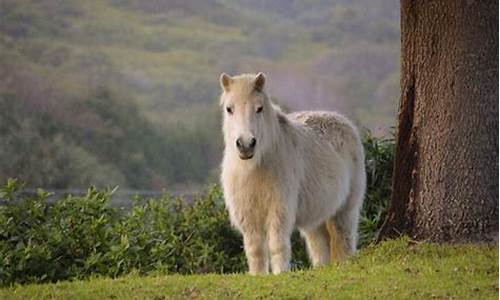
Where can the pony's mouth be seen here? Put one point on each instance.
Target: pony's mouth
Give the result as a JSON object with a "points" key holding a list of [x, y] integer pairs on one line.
{"points": [[245, 157]]}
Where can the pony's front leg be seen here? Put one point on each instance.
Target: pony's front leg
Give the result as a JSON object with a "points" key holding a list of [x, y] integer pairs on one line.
{"points": [[279, 244], [256, 252]]}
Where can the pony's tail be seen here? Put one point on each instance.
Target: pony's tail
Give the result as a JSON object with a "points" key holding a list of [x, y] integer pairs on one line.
{"points": [[337, 243]]}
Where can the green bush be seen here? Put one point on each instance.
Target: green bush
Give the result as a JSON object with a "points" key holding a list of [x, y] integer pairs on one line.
{"points": [[379, 154], [76, 237], [80, 236]]}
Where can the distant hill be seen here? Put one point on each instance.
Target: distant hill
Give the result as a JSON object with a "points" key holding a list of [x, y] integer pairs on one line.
{"points": [[123, 92]]}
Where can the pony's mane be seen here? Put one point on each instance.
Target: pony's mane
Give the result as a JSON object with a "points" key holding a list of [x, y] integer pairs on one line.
{"points": [[243, 82], [282, 118]]}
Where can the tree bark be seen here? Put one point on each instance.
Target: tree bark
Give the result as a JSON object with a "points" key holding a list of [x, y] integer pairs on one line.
{"points": [[445, 183]]}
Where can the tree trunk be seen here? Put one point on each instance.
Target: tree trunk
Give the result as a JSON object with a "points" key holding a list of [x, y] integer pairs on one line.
{"points": [[445, 183]]}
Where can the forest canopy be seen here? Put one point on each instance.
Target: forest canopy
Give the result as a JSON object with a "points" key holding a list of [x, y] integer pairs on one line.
{"points": [[124, 92]]}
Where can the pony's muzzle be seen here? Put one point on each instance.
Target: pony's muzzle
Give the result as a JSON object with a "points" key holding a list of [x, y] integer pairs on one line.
{"points": [[246, 149]]}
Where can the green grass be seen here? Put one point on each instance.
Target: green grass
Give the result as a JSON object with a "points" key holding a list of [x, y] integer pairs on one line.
{"points": [[399, 269]]}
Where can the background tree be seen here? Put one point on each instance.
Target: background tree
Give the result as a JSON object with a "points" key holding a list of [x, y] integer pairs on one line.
{"points": [[86, 98], [445, 185]]}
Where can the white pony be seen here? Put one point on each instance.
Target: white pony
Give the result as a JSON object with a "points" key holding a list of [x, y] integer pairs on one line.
{"points": [[280, 171]]}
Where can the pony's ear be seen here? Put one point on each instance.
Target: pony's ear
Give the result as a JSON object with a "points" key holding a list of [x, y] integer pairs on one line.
{"points": [[259, 82], [225, 82]]}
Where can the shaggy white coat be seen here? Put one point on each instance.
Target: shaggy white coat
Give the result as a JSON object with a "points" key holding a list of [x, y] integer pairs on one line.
{"points": [[307, 172]]}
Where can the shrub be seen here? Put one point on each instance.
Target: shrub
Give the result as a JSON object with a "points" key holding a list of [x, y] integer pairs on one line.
{"points": [[76, 237], [379, 163], [79, 236]]}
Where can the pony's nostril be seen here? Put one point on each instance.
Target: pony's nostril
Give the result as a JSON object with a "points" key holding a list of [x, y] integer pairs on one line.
{"points": [[253, 141], [239, 144]]}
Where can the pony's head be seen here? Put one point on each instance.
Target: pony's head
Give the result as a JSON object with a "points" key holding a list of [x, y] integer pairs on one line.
{"points": [[249, 116]]}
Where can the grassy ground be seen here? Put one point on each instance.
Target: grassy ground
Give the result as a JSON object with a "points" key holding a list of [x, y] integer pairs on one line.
{"points": [[396, 269]]}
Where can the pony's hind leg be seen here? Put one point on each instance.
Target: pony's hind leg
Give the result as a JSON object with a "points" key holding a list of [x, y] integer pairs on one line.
{"points": [[344, 226], [337, 241], [318, 247]]}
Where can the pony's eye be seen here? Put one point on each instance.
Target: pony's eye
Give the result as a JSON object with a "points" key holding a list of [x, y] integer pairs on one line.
{"points": [[259, 109], [229, 110]]}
